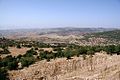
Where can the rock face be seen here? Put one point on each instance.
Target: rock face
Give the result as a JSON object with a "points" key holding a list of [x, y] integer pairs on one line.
{"points": [[99, 67]]}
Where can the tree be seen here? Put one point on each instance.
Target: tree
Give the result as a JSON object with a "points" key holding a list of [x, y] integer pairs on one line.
{"points": [[49, 56], [5, 51], [117, 49], [97, 48], [36, 48], [68, 54], [90, 52], [82, 50], [9, 62], [18, 46], [26, 61], [110, 49], [13, 65], [30, 53], [43, 55], [19, 56], [84, 56], [6, 60], [59, 53], [3, 74]]}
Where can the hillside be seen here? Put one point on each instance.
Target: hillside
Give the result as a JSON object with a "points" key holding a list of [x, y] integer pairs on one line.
{"points": [[110, 35], [99, 67]]}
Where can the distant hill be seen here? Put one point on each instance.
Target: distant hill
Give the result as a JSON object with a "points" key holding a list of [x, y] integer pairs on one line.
{"points": [[60, 31], [76, 31], [110, 35]]}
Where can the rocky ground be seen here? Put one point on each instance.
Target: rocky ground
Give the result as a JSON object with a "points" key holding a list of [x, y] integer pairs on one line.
{"points": [[99, 67]]}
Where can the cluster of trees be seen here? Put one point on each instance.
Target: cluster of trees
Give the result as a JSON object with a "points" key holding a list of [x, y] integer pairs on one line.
{"points": [[71, 50], [7, 42], [11, 63], [4, 51], [57, 53], [28, 58], [88, 50], [3, 74], [7, 63], [75, 50], [68, 53]]}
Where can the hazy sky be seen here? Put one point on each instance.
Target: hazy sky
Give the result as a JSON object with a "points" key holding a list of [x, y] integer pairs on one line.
{"points": [[59, 13]]}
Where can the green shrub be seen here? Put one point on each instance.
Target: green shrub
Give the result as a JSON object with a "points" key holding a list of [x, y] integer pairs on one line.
{"points": [[26, 61], [3, 74], [18, 46]]}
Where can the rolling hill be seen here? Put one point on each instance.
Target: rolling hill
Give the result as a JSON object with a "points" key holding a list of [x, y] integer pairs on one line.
{"points": [[110, 35]]}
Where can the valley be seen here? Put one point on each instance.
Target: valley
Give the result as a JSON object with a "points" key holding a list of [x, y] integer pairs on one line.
{"points": [[61, 55]]}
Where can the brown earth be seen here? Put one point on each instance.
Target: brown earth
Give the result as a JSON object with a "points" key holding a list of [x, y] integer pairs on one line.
{"points": [[16, 51]]}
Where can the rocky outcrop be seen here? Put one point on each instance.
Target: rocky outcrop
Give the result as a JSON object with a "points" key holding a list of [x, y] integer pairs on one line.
{"points": [[99, 67]]}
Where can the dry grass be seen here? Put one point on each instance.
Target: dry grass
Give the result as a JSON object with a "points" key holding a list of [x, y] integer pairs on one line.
{"points": [[104, 67], [1, 49], [16, 51]]}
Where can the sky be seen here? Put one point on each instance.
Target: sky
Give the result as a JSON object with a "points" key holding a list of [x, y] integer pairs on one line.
{"points": [[15, 14]]}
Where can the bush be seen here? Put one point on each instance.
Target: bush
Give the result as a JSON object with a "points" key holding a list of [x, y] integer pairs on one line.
{"points": [[18, 46], [68, 54], [5, 51], [3, 74], [30, 53], [43, 55], [82, 50], [84, 56], [26, 61], [9, 62], [36, 48], [90, 52], [12, 65]]}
